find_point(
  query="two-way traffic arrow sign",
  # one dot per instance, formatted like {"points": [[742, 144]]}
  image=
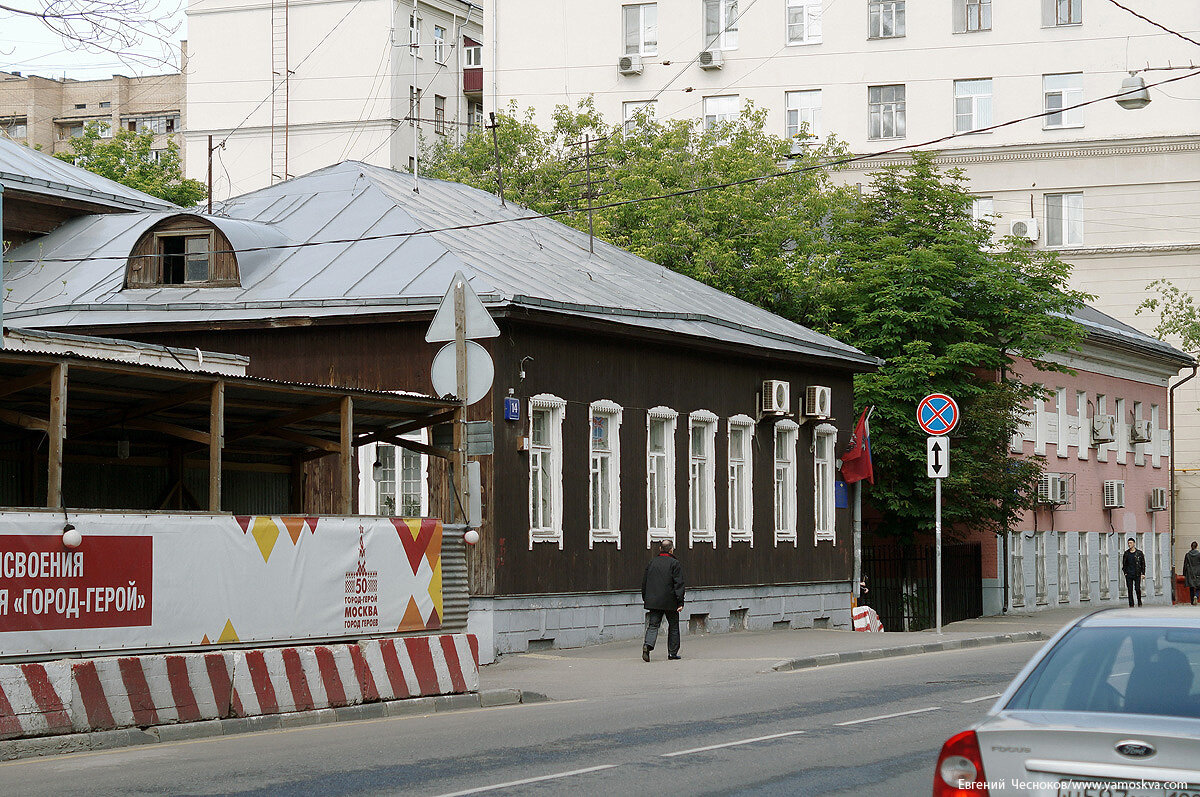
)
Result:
{"points": [[938, 449]]}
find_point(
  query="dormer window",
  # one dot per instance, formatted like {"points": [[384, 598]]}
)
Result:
{"points": [[185, 251]]}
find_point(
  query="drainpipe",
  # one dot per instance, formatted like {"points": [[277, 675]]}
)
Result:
{"points": [[1171, 438]]}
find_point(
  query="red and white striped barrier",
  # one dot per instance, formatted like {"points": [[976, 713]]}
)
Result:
{"points": [[126, 691], [864, 618]]}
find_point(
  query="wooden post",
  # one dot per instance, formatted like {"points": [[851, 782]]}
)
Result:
{"points": [[216, 442], [345, 471], [460, 425], [57, 433]]}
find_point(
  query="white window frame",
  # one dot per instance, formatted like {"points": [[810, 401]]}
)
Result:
{"points": [[1064, 218], [881, 11], [983, 209], [784, 483], [740, 466], [894, 110], [1085, 579], [439, 44], [716, 113], [725, 34], [799, 109], [1061, 13], [976, 104], [597, 533], [1064, 93], [1016, 567], [550, 456], [473, 56], [645, 30], [414, 34], [1064, 571], [972, 16], [1103, 554], [1040, 588], [802, 23], [636, 114], [368, 488], [656, 464], [824, 499], [702, 480]]}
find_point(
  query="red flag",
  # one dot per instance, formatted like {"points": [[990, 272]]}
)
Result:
{"points": [[856, 462]]}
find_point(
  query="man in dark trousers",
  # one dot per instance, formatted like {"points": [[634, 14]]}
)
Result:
{"points": [[1191, 572], [662, 592], [1133, 565]]}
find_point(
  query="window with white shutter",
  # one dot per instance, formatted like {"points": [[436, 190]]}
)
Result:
{"points": [[741, 470], [785, 481], [604, 484], [660, 474], [545, 469]]}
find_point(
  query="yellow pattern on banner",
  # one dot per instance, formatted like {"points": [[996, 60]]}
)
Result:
{"points": [[228, 634], [435, 587], [265, 533]]}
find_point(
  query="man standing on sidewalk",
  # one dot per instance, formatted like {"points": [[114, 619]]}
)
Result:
{"points": [[1133, 565], [662, 593], [1191, 572]]}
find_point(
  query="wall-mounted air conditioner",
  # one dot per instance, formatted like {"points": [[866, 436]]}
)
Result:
{"points": [[1158, 499], [1054, 488], [1024, 228], [776, 397], [630, 65], [1141, 432], [1114, 494], [1104, 429], [711, 59], [817, 401]]}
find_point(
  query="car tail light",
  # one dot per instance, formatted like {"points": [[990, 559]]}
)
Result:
{"points": [[960, 765]]}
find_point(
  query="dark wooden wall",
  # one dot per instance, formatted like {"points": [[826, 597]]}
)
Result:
{"points": [[145, 269]]}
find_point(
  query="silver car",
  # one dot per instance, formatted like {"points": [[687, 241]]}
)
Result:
{"points": [[1110, 707]]}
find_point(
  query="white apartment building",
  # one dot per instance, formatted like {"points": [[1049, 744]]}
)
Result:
{"points": [[295, 85], [1116, 191]]}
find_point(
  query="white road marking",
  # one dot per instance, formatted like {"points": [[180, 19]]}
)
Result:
{"points": [[889, 716], [730, 744], [985, 697], [525, 781]]}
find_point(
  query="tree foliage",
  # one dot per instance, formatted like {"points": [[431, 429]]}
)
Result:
{"points": [[124, 28], [128, 159], [1178, 315]]}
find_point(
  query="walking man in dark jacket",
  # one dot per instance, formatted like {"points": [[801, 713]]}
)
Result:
{"points": [[1191, 572], [1133, 565], [662, 593]]}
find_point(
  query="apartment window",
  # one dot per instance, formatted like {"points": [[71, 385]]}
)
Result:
{"points": [[1085, 579], [721, 24], [1064, 219], [159, 125], [983, 209], [1103, 542], [803, 21], [414, 106], [439, 115], [15, 127], [741, 468], [70, 131], [638, 114], [475, 116], [1016, 569], [103, 129], [972, 15], [106, 104], [885, 112], [393, 480], [641, 29], [1061, 12], [1039, 565], [1064, 578], [785, 481], [886, 19], [414, 34], [720, 110], [702, 435], [545, 469], [439, 44], [660, 470], [604, 487], [472, 55], [824, 438], [803, 113], [1059, 92], [79, 106], [185, 256], [972, 104]]}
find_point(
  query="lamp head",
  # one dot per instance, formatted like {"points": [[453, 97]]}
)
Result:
{"points": [[1133, 93]]}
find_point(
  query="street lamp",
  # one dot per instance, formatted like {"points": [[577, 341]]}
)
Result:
{"points": [[1133, 94]]}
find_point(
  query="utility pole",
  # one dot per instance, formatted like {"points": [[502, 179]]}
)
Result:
{"points": [[590, 185], [496, 151]]}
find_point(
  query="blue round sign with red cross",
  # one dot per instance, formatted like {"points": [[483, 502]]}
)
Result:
{"points": [[937, 414]]}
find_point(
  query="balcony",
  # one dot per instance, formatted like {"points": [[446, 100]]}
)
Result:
{"points": [[473, 80]]}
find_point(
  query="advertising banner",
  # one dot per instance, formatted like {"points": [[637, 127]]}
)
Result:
{"points": [[160, 580]]}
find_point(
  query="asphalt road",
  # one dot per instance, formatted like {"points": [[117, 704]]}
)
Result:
{"points": [[868, 728]]}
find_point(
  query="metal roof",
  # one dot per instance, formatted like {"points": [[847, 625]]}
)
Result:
{"points": [[25, 169], [74, 275], [1105, 328]]}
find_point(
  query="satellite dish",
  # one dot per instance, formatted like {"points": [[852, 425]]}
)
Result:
{"points": [[480, 372]]}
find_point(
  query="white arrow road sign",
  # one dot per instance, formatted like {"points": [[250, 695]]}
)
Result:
{"points": [[938, 448]]}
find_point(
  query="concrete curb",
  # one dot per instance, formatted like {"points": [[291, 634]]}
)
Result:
{"points": [[823, 659], [33, 747]]}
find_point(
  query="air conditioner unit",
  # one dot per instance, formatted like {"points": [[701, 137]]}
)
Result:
{"points": [[776, 397], [630, 65], [1054, 488], [1104, 429], [817, 401], [1141, 432], [1024, 228], [711, 59], [1158, 499], [1114, 494]]}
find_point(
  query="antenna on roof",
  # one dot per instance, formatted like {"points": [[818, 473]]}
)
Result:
{"points": [[496, 150], [592, 186]]}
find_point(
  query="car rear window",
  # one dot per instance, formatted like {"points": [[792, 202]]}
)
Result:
{"points": [[1124, 670]]}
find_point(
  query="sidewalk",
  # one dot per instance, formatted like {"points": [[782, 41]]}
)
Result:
{"points": [[616, 668]]}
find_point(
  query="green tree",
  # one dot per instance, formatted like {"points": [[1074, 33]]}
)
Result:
{"points": [[128, 158], [1178, 315]]}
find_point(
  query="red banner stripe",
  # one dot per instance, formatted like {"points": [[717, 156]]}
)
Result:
{"points": [[450, 651], [473, 641], [268, 703], [222, 685], [140, 699], [391, 664], [335, 693], [186, 707], [362, 673], [301, 694], [9, 724], [422, 660], [99, 716]]}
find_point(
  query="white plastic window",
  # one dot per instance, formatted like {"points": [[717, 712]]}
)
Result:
{"points": [[741, 489], [393, 481], [660, 474], [1064, 219], [722, 109], [641, 29], [824, 440], [803, 21], [886, 115], [414, 34], [785, 482], [721, 24], [545, 469], [1060, 92], [886, 19], [638, 113], [702, 514], [972, 104], [803, 113], [439, 44], [604, 467]]}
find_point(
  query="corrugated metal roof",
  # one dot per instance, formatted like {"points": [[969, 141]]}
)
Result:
{"points": [[540, 264], [1104, 327], [27, 169]]}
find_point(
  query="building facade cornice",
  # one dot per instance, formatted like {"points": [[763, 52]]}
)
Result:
{"points": [[1040, 152]]}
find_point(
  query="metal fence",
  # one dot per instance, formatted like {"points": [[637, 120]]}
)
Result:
{"points": [[900, 583]]}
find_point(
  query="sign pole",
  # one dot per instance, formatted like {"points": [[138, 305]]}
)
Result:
{"points": [[460, 429], [937, 533]]}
